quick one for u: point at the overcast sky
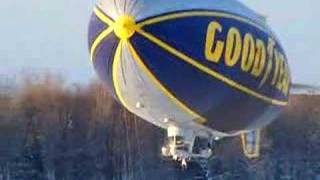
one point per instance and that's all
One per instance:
(52, 35)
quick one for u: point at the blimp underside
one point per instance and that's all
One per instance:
(201, 70)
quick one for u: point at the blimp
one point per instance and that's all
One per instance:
(202, 70)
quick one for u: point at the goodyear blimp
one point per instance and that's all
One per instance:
(202, 70)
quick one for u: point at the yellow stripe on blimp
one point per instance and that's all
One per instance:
(177, 15)
(115, 72)
(98, 40)
(209, 71)
(184, 107)
(102, 16)
(113, 26)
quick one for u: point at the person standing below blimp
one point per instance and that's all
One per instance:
(202, 70)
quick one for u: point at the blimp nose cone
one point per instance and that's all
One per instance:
(125, 27)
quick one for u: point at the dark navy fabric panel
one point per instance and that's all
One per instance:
(225, 108)
(103, 60)
(188, 35)
(96, 26)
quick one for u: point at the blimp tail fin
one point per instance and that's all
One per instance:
(251, 143)
(304, 89)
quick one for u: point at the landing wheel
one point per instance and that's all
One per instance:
(204, 171)
(195, 171)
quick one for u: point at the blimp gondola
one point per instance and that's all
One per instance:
(201, 70)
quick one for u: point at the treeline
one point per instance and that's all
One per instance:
(51, 130)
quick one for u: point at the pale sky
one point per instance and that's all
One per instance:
(52, 35)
